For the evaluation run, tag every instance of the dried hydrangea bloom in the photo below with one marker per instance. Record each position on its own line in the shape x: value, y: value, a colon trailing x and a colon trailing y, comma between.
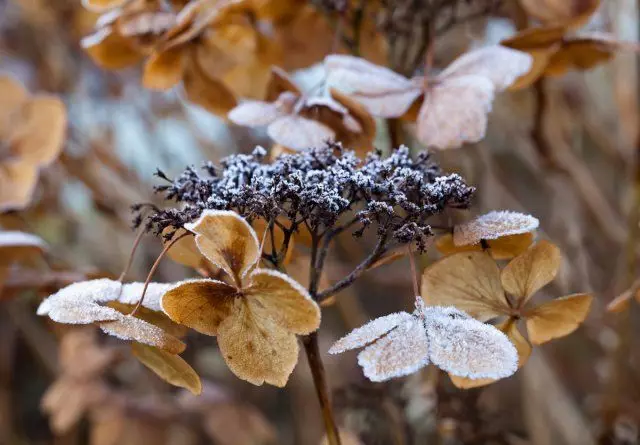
x: 32, y: 130
x: 297, y: 121
x: 473, y: 282
x: 455, y: 103
x: 400, y: 344
x: 257, y: 316
x: 86, y: 303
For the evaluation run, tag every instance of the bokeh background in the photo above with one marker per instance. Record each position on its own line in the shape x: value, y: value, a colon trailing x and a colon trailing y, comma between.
x: 580, y: 390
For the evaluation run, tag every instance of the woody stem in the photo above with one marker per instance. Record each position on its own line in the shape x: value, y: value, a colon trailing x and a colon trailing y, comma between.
x: 310, y: 343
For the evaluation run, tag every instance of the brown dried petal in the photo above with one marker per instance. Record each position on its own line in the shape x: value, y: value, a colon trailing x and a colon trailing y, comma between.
x: 257, y: 349
x: 557, y: 318
x: 18, y: 180
x: 110, y: 50
x: 164, y: 69
x: 529, y: 272
x: 169, y: 367
x: 199, y: 304
x: 469, y: 281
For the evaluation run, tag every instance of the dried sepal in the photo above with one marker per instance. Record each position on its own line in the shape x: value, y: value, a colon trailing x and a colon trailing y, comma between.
x: 128, y: 327
x: 199, y: 304
x: 276, y: 295
x: 257, y: 350
x: 503, y: 248
x: 557, y: 318
x: 368, y: 333
x: 493, y: 225
x: 529, y: 272
x: 227, y: 240
x: 169, y: 367
x: 469, y: 281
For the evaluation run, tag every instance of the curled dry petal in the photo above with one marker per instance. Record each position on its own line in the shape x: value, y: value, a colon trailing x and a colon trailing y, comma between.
x: 199, y: 304
x: 401, y: 352
x: 276, y: 295
x: 383, y: 92
x: 500, y: 65
x: 369, y: 332
x: 455, y: 111
x: 503, y: 248
x: 534, y: 269
x: 469, y: 281
x: 227, y: 240
x: 299, y: 133
x: 256, y: 348
x: 493, y: 225
x: 557, y: 318
x: 169, y: 367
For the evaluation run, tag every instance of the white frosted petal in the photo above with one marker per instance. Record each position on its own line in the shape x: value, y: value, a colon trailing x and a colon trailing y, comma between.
x: 299, y: 133
x: 73, y: 312
x: 12, y: 238
x: 493, y: 225
x: 401, y: 352
x: 466, y: 347
x: 254, y: 114
x: 368, y: 333
x: 131, y: 293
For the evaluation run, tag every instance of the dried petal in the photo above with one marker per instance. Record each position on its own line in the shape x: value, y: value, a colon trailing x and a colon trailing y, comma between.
x: 184, y: 251
x: 469, y: 281
x: 383, y: 92
x: 132, y: 292
x: 13, y: 96
x: 227, y: 240
x: 493, y: 225
x: 199, y: 304
x: 18, y: 180
x: 503, y: 248
x: 369, y: 332
x: 299, y: 133
x: 18, y: 246
x: 102, y: 5
x: 207, y: 92
x: 502, y: 66
x: 169, y: 367
x: 455, y: 112
x: 83, y: 292
x: 257, y: 349
x: 401, y: 352
x: 255, y: 113
x: 277, y: 296
x: 164, y: 69
x: 77, y: 312
x: 468, y: 348
x: 279, y: 83
x: 127, y: 327
x: 557, y: 318
x: 529, y: 272
x: 110, y: 50
x: 572, y: 13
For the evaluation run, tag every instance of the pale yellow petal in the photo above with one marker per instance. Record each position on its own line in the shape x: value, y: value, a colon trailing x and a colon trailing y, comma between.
x: 199, y: 304
x: 227, y: 240
x: 278, y: 296
x: 534, y: 269
x: 469, y: 281
x: 169, y: 367
x: 557, y: 318
x: 256, y: 349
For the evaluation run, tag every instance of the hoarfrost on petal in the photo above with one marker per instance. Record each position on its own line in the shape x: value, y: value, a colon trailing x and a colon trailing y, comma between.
x: 93, y: 291
x: 493, y: 225
x: 128, y: 327
x: 369, y: 332
x: 401, y: 352
x: 466, y: 347
x: 73, y: 312
x: 11, y: 238
x: 131, y: 293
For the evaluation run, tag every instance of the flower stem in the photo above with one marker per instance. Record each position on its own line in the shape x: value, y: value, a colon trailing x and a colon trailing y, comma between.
x: 310, y: 343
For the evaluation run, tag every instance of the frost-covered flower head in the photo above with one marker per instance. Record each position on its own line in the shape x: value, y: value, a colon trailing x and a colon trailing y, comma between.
x: 316, y: 187
x: 401, y: 343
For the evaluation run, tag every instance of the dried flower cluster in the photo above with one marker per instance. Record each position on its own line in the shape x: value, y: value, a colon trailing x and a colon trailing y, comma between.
x: 317, y: 188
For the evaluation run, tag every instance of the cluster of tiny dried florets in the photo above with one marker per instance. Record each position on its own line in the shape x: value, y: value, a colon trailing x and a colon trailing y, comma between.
x: 320, y: 188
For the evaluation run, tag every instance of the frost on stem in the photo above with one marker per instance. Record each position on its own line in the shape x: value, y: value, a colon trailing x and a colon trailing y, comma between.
x: 400, y: 344
x: 317, y: 187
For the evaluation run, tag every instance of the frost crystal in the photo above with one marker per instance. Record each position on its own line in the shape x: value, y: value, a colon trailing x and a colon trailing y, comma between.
x: 493, y: 225
x: 317, y: 187
x: 444, y: 336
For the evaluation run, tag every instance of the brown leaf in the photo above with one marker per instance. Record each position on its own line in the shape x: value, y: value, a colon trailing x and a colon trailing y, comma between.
x: 557, y: 318
x: 228, y: 241
x: 469, y: 281
x: 169, y: 367
x: 277, y: 296
x: 257, y: 349
x: 199, y: 304
x: 530, y: 271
